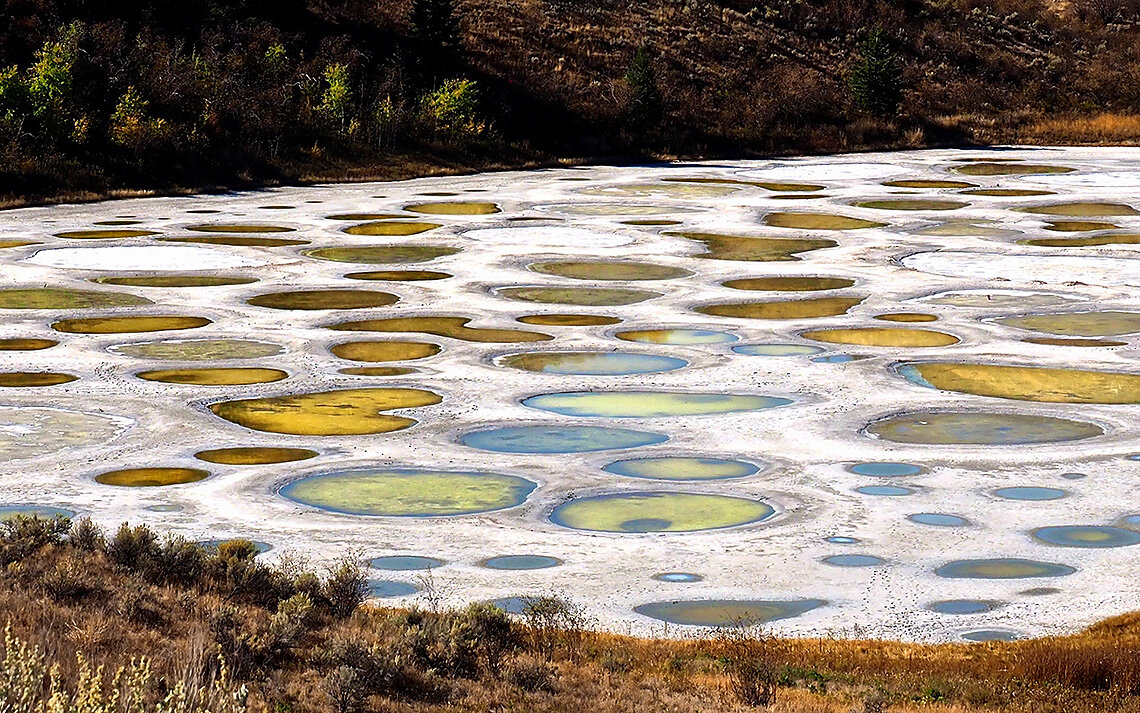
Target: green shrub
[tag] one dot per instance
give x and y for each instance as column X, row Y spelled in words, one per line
column 23, row 536
column 86, row 535
column 336, row 101
column 345, row 588
column 132, row 126
column 645, row 105
column 876, row 77
column 452, row 111
column 133, row 549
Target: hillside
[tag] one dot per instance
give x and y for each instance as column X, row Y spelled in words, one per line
column 97, row 96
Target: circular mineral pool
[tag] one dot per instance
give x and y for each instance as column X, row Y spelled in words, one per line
column 323, row 299
column 381, row 351
column 838, row 358
column 642, row 512
column 455, row 208
column 776, row 350
column 8, row 512
column 23, row 344
column 1026, row 383
column 678, row 577
column 515, row 605
column 980, row 428
column 622, row 271
column 568, row 320
column 842, row 540
column 936, row 519
column 883, row 337
column 106, row 234
column 592, row 363
column 407, row 492
column 727, row 612
column 31, row 432
column 885, row 469
column 174, row 280
column 680, row 337
column 199, row 349
column 220, row 376
column 1002, row 568
column 165, row 507
column 405, row 563
column 1030, row 493
column 963, row 606
column 789, row 284
column 33, row 379
column 559, row 439
column 682, row 468
column 393, row 228
column 400, row 275
column 578, row 296
column 128, row 325
column 151, row 477
column 520, row 562
column 854, row 560
column 62, row 298
column 344, row 412
column 1087, row 536
column 453, row 327
column 1074, row 476
column 240, row 228
column 381, row 254
column 384, row 588
column 984, row 635
column 884, row 490
column 649, row 404
column 255, row 455
column 783, row 309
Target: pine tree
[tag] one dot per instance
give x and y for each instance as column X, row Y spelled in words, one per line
column 434, row 25
column 645, row 96
column 876, row 78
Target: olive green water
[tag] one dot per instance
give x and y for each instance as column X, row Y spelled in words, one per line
column 755, row 249
column 453, row 327
column 598, row 270
column 579, row 296
column 345, row 412
column 128, row 325
column 199, row 349
column 391, row 228
column 324, row 299
column 174, row 280
column 220, row 376
column 1108, row 323
column 819, row 221
column 789, row 284
column 381, row 254
column 785, row 309
column 385, row 351
column 63, row 298
column 642, row 512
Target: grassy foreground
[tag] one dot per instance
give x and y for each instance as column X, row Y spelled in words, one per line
column 134, row 622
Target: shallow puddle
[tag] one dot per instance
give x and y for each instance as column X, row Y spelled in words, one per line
column 32, row 379
column 393, row 228
column 987, row 635
column 151, row 477
column 630, row 271
column 240, row 228
column 387, row 588
column 1001, row 168
column 1081, row 210
column 29, row 432
column 678, row 577
column 819, row 221
column 199, row 349
column 381, row 254
column 455, row 208
column 18, row 344
column 46, row 512
column 839, row 358
column 928, row 183
column 405, row 563
column 906, row 317
column 377, row 371
column 887, row 491
column 406, row 492
column 559, row 439
column 219, row 376
column 936, row 519
column 789, row 284
column 658, row 512
column 365, row 216
column 679, row 337
column 1008, row 192
column 385, row 351
column 842, row 540
column 1086, row 241
column 591, row 363
column 886, row 469
column 960, row 607
column 1087, row 536
column 104, row 234
column 648, row 404
column 741, row 248
column 882, row 337
column 1026, row 383
column 520, row 562
column 854, row 561
column 1078, row 324
column 783, row 309
column 776, row 350
column 915, row 204
column 980, row 428
column 1000, row 299
column 345, row 412
column 174, row 280
column 324, row 299
column 400, row 275
column 1078, row 226
column 1031, row 493
column 966, row 229
column 62, row 298
column 240, row 241
column 568, row 320
column 255, row 455
column 453, row 327
column 682, row 468
column 128, row 325
column 578, row 296
column 1002, row 568
column 727, row 612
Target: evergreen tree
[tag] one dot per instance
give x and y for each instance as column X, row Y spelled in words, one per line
column 645, row 96
column 435, row 28
column 876, row 78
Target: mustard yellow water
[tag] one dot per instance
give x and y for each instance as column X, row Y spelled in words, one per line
column 598, row 270
column 381, row 254
column 391, row 228
column 906, row 317
column 240, row 228
column 455, row 208
column 454, row 327
column 128, row 325
column 1029, row 383
column 819, row 221
column 26, row 344
column 103, row 234
column 255, row 455
column 31, row 379
column 579, row 296
column 66, row 298
column 568, row 320
column 882, row 337
column 784, row 309
column 346, row 412
column 1081, row 210
column 324, row 299
column 385, row 351
column 789, row 284
column 995, row 168
column 912, row 204
column 151, row 477
column 1078, row 226
column 174, row 280
column 221, row 376
column 1108, row 323
column 752, row 249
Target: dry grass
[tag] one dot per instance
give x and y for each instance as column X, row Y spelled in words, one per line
column 1116, row 129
